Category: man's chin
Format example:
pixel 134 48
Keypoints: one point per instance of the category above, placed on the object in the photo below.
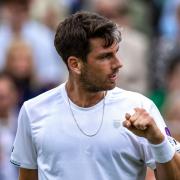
pixel 110 87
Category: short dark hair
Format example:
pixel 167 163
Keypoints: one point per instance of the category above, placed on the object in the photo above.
pixel 73 34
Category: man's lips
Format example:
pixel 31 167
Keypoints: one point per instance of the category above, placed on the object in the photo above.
pixel 113 76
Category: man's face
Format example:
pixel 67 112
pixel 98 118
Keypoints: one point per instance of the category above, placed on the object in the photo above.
pixel 21 60
pixel 100 72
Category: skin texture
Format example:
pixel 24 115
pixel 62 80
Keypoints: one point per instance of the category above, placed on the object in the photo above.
pixel 86 86
pixel 28 174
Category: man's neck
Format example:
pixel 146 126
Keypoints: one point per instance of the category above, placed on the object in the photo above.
pixel 82 97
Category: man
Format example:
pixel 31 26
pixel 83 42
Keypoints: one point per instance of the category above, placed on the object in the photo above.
pixel 83 129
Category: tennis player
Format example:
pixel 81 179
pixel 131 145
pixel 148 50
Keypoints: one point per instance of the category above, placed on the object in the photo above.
pixel 87 128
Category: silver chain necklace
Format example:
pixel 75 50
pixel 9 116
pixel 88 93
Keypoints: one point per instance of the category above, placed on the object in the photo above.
pixel 80 129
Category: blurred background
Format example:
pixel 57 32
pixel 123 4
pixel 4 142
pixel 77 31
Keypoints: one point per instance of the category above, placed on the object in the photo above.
pixel 29 64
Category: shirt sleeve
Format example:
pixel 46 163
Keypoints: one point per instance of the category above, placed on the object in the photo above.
pixel 154 112
pixel 24 152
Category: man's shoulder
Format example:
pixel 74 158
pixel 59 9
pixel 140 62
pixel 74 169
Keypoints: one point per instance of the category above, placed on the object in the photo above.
pixel 45 99
pixel 126 95
pixel 118 92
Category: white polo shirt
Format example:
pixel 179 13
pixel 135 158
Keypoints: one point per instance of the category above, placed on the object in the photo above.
pixel 49 140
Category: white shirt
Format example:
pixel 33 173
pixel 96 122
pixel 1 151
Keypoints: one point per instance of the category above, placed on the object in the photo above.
pixel 49 140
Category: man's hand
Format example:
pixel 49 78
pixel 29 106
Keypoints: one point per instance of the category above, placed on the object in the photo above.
pixel 142 124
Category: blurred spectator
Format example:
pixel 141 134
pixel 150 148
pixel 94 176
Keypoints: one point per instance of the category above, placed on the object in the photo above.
pixel 19 66
pixel 49 12
pixel 51 17
pixel 18 23
pixel 133 48
pixel 59 9
pixel 171 113
pixel 8 116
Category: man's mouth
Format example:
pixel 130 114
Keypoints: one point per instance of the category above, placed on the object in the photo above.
pixel 113 76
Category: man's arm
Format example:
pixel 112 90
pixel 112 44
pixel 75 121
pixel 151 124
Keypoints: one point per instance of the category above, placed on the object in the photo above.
pixel 28 174
pixel 169 170
pixel 143 125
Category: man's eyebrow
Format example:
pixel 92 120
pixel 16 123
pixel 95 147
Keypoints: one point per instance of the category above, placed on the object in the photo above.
pixel 103 54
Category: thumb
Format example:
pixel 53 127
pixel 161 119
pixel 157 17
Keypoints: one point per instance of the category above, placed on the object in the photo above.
pixel 127 123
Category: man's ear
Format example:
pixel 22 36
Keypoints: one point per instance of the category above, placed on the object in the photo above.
pixel 74 64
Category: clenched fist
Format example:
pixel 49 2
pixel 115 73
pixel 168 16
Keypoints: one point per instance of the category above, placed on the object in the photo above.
pixel 142 124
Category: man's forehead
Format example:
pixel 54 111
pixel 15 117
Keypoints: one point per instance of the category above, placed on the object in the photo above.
pixel 99 44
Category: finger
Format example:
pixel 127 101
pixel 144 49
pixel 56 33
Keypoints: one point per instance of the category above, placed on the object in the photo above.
pixel 142 122
pixel 138 113
pixel 134 117
pixel 140 126
pixel 127 116
pixel 127 124
pixel 137 109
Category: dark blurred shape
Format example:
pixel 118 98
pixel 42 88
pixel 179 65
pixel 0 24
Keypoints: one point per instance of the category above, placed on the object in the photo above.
pixel 76 5
pixel 156 8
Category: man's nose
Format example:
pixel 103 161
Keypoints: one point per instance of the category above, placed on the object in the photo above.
pixel 117 63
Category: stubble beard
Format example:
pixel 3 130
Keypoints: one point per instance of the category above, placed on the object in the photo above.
pixel 92 84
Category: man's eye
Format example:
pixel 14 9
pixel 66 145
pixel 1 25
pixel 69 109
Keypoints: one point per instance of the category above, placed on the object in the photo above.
pixel 107 56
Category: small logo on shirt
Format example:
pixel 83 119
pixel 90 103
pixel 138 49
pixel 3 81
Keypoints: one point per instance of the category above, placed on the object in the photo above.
pixel 116 123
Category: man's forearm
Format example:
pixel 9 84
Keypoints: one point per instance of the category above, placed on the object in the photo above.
pixel 169 170
pixel 27 174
